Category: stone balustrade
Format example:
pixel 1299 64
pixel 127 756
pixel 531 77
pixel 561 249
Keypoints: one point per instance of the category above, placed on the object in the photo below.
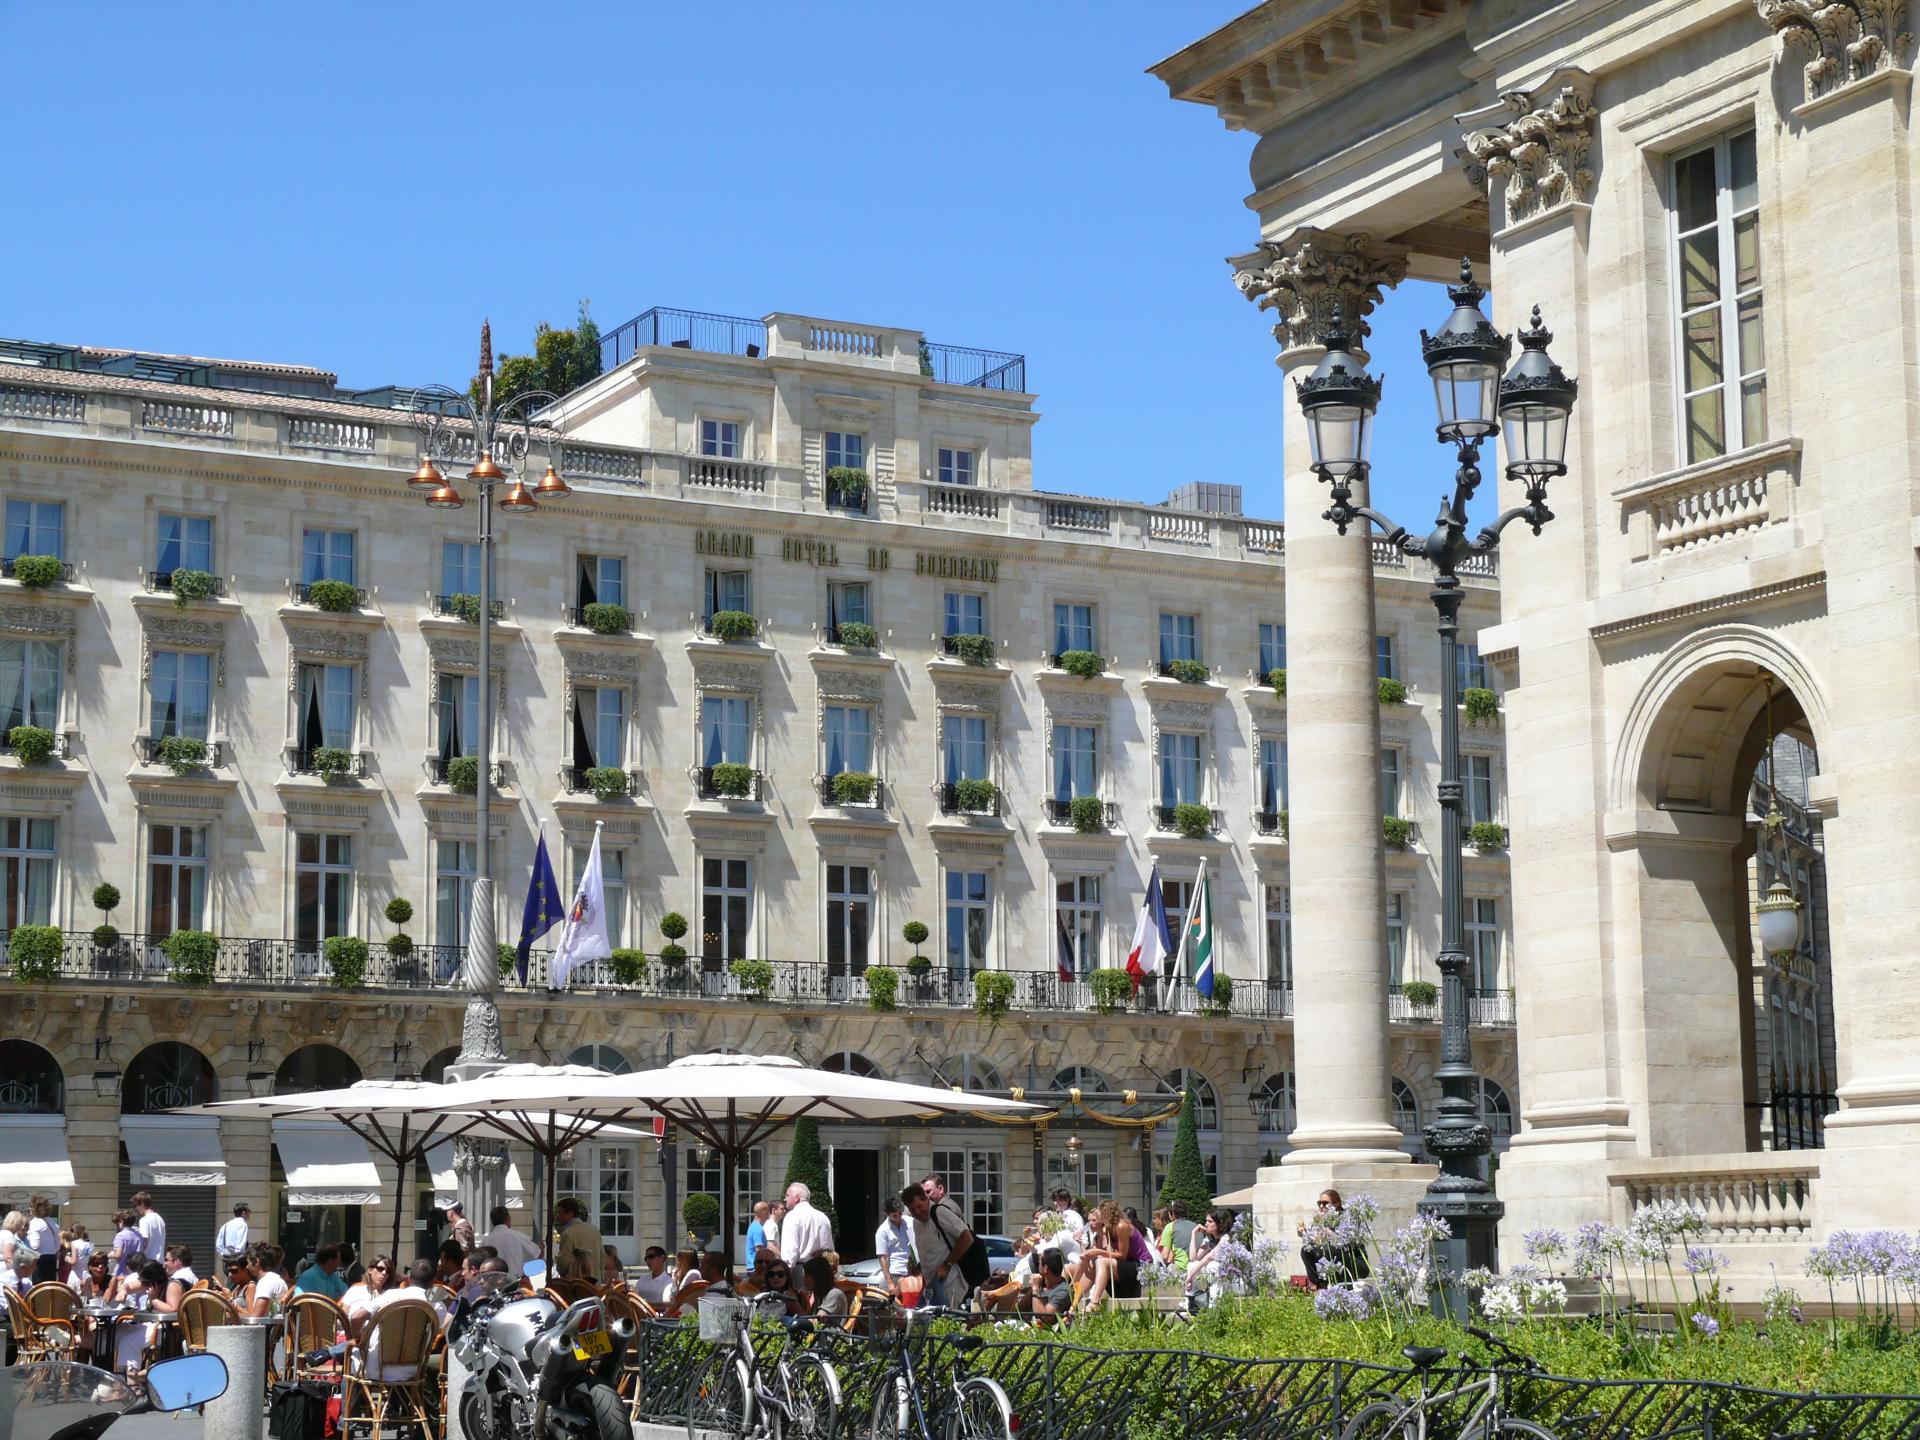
pixel 1710 503
pixel 176 418
pixel 308 432
pixel 1748 1199
pixel 21 402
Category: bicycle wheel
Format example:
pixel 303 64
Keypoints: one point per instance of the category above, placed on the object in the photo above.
pixel 893 1409
pixel 720 1398
pixel 1383 1421
pixel 983 1412
pixel 1529 1429
pixel 813 1397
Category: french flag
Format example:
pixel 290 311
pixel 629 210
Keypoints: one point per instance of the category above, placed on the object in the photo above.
pixel 1152 939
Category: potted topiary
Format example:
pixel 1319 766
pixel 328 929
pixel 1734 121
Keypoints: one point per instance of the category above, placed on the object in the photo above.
pixel 992 995
pixel 1487 835
pixel 1084 663
pixel 855 635
pixel 1112 989
pixel 854 787
pixel 36 572
pixel 188 585
pixel 346 957
pixel 1481 704
pixel 183 754
pixel 974 649
pixel 732 781
pixel 1193 821
pixel 627 966
pixel 1392 692
pixel 607 782
pixel 330 762
pixel 1396 832
pixel 191 956
pixel 604 618
pixel 702 1214
pixel 883 987
pixel 732 625
pixel 976 797
pixel 1221 1001
pixel 914 932
pixel 847 486
pixel 106 899
pixel 1087 814
pixel 34 953
pixel 672 954
pixel 399 912
pixel 1278 680
pixel 1420 994
pixel 1189 672
pixel 463 774
pixel 465 607
pixel 31 744
pixel 336 596
pixel 753 976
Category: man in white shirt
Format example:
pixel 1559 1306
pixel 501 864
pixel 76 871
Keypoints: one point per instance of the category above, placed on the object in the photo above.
pixel 893 1243
pixel 656 1286
pixel 774 1217
pixel 232 1239
pixel 153 1230
pixel 508 1243
pixel 805 1232
pixel 43 1238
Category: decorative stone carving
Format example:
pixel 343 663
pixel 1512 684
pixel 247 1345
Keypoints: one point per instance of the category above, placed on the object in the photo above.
pixel 1846 40
pixel 1183 714
pixel 850 685
pixel 37 620
pixel 448 650
pixel 1079 707
pixel 1310 272
pixel 1536 143
pixel 974 696
pixel 170 632
pixel 742 678
pixel 349 645
pixel 603 667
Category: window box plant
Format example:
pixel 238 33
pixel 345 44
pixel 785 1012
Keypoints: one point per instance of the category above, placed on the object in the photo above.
pixel 627 966
pixel 1487 835
pixel 732 781
pixel 34 951
pixel 992 995
pixel 856 635
pixel 1082 663
pixel 753 976
pixel 336 596
pixel 732 625
pixel 332 761
pixel 883 987
pixel 974 649
pixel 1396 831
pixel 189 585
pixel 1088 814
pixel 36 572
pixel 465 607
pixel 190 956
pixel 847 485
pixel 31 744
pixel 1421 994
pixel 183 754
pixel 974 796
pixel 1277 678
pixel 1189 672
pixel 399 912
pixel 853 787
pixel 1193 821
pixel 346 957
pixel 607 782
pixel 463 774
pixel 607 619
pixel 1221 1001
pixel 1481 704
pixel 1112 989
pixel 1392 692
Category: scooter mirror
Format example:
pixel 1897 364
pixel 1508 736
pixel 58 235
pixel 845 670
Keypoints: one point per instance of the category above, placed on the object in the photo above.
pixel 536 1273
pixel 187 1381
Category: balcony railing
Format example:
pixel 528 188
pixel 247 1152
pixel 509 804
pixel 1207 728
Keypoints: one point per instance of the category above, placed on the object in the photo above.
pixel 1270 822
pixel 306 432
pixel 705 788
pixel 1167 818
pixel 1486 1009
pixel 304 593
pixel 66 570
pixel 683 330
pixel 17 402
pixel 300 761
pixel 948 647
pixel 877 801
pixel 713 472
pixel 1060 812
pixel 444 605
pixel 988 369
pixel 836 635
pixel 973 501
pixel 595 462
pixel 574 777
pixel 437 771
pixel 577 617
pixel 148 747
pixel 162 580
pixel 1164 668
pixel 174 418
pixel 950 803
pixel 852 498
pixel 62 748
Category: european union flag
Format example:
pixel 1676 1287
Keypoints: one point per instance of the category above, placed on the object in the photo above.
pixel 545 906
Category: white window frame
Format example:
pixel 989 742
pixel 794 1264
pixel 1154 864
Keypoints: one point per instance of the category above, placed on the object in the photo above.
pixel 34 527
pixel 1087 922
pixel 1181 631
pixel 957 465
pixel 965 906
pixel 1386 657
pixel 711 583
pixel 20 861
pixel 1072 623
pixel 329 877
pixel 183 868
pixel 977 1184
pixel 1074 728
pixel 466 869
pixel 1278 771
pixel 956 742
pixel 1485 947
pixel 727 890
pixel 327 555
pixel 153 720
pixel 1276 901
pixel 1399 964
pixel 954 603
pixel 1270 648
pixel 1476 788
pixel 1734 378
pixel 598 561
pixel 853 737
pixel 40 657
pixel 333 677
pixel 852 443
pixel 720 438
pixel 850 900
pixel 1392 792
pixel 469 565
pixel 598 726
pixel 186 542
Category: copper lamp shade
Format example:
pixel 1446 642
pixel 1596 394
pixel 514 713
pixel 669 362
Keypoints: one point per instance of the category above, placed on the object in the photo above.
pixel 551 486
pixel 427 478
pixel 486 470
pixel 445 498
pixel 519 499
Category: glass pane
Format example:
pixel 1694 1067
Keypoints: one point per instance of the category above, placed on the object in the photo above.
pixel 1744 165
pixel 1746 252
pixel 1753 410
pixel 1694 190
pixel 1699 269
pixel 1706 432
pixel 1753 340
pixel 1702 365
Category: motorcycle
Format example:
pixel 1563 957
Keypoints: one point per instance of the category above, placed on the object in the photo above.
pixel 60 1400
pixel 538 1370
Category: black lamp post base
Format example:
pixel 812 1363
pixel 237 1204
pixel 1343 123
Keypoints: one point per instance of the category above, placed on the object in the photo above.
pixel 1474 1220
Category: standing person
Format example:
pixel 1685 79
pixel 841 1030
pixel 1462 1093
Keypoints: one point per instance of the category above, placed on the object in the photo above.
pixel 508 1243
pixel 776 1216
pixel 126 1245
pixel 459 1227
pixel 757 1233
pixel 231 1242
pixel 806 1232
pixel 153 1229
pixel 43 1238
pixel 80 1245
pixel 941 1238
pixel 577 1251
pixel 893 1243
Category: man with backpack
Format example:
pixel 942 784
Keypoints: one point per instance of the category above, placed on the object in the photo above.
pixel 952 1260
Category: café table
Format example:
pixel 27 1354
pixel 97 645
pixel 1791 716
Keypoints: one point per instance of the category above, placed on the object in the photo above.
pixel 108 1318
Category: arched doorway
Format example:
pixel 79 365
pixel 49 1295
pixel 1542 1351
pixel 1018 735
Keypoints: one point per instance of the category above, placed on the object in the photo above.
pixel 34 1159
pixel 177 1159
pixel 315 1067
pixel 322 1173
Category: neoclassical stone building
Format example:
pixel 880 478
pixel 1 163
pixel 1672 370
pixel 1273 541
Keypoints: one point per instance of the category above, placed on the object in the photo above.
pixel 1711 202
pixel 908 627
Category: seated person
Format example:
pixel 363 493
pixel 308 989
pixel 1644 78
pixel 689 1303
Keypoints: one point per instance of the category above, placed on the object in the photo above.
pixel 420 1278
pixel 656 1286
pixel 827 1302
pixel 1051 1293
pixel 357 1304
pixel 780 1287
pixel 143 1290
pixel 180 1277
pixel 267 1287
pixel 612 1272
pixel 913 1286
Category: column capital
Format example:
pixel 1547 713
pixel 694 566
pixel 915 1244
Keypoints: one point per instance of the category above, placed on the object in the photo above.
pixel 1305 275
pixel 1537 143
pixel 1843 42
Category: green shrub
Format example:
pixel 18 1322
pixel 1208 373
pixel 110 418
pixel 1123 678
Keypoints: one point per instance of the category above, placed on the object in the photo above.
pixel 1392 692
pixel 1084 663
pixel 506 957
pixel 1186 1171
pixel 183 754
pixel 190 956
pixel 607 782
pixel 1112 989
pixel 674 957
pixel 1421 994
pixel 35 953
pixel 734 782
pixel 31 744
pixel 192 585
pixel 465 606
pixel 1396 831
pixel 976 796
pixel 330 761
pixel 974 649
pixel 992 995
pixel 919 966
pixel 856 635
pixel 1088 814
pixel 37 571
pixel 1189 672
pixel 399 912
pixel 915 933
pixel 106 897
pixel 334 595
pixel 346 957
pixel 400 944
pixel 702 1213
pixel 1221 1001
pixel 106 937
pixel 1487 835
pixel 1278 680
pixel 463 774
pixel 732 625
pixel 1282 818
pixel 673 925
pixel 604 618
pixel 627 966
pixel 847 484
pixel 1193 821
pixel 883 987
pixel 1482 705
pixel 754 975
pixel 853 787
pixel 807 1164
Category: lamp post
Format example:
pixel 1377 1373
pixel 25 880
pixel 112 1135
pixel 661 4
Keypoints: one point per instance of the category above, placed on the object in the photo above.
pixel 500 437
pixel 1530 407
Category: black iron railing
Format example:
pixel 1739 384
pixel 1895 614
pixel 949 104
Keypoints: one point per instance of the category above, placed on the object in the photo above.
pixel 1165 668
pixel 66 570
pixel 575 779
pixel 1060 812
pixel 987 369
pixel 452 606
pixel 439 765
pixel 1270 822
pixel 1167 818
pixel 305 593
pixel 163 580
pixel 1796 1119
pixel 683 330
pixel 966 642
pixel 703 783
pixel 149 748
pixel 300 761
pixel 950 802
pixel 876 798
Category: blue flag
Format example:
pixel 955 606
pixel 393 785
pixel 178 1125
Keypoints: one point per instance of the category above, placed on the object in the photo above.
pixel 545 907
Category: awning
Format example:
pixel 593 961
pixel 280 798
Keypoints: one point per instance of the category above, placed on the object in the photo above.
pixel 1234 1199
pixel 173 1149
pixel 325 1164
pixel 446 1188
pixel 33 1157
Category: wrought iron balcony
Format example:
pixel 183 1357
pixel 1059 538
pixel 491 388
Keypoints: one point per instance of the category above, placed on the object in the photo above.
pixel 707 790
pixel 950 802
pixel 304 594
pixel 437 766
pixel 1270 822
pixel 956 644
pixel 1060 812
pixel 450 606
pixel 876 801
pixel 1486 1009
pixel 988 369
pixel 574 777
pixel 62 746
pixel 162 580
pixel 1167 818
pixel 300 761
pixel 149 750
pixel 66 570
pixel 1165 668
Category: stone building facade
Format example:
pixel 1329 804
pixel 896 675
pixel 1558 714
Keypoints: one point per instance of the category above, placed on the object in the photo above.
pixel 1710 202
pixel 710 468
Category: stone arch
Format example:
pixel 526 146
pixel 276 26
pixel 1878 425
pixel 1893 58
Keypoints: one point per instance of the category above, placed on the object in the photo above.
pixel 315 1067
pixel 166 1076
pixel 31 1080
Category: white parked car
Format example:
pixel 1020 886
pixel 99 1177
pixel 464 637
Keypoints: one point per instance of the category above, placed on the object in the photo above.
pixel 1000 1256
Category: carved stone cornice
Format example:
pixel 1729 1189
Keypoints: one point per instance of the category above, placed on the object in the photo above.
pixel 1310 272
pixel 1536 144
pixel 610 667
pixel 1846 40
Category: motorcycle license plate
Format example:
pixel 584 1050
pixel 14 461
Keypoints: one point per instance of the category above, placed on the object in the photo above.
pixel 591 1344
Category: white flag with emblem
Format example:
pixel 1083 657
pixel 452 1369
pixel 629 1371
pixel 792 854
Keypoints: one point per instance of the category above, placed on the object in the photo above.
pixel 583 934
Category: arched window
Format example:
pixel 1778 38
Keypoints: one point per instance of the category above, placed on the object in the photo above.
pixel 1406 1110
pixel 1206 1104
pixel 1496 1109
pixel 1080 1077
pixel 969 1072
pixel 435 1069
pixel 165 1077
pixel 1273 1103
pixel 601 1057
pixel 315 1067
pixel 851 1062
pixel 30 1080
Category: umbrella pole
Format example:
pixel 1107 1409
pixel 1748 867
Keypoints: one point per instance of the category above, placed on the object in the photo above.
pixel 399 1188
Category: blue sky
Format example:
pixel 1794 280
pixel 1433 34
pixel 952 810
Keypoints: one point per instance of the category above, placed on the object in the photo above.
pixel 356 185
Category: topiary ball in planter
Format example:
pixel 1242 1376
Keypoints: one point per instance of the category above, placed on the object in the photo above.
pixel 463 774
pixel 332 761
pixel 31 744
pixel 336 596
pixel 400 944
pixel 1421 994
pixel 34 953
pixel 974 649
pixel 856 635
pixel 105 896
pixel 183 754
pixel 106 937
pixel 731 625
pixel 1193 821
pixel 854 787
pixel 36 572
pixel 702 1214
pixel 399 911
pixel 627 966
pixel 1278 680
pixel 346 957
pixel 673 925
pixel 674 957
pixel 732 782
pixel 192 585
pixel 1189 672
pixel 1392 692
pixel 1084 663
pixel 607 619
pixel 1087 814
pixel 974 796
pixel 465 607
pixel 883 987
pixel 919 966
pixel 915 933
pixel 607 782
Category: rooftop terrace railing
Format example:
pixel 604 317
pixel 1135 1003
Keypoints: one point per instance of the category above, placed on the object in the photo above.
pixel 683 330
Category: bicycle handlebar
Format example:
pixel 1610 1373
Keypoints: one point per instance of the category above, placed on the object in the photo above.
pixel 1502 1350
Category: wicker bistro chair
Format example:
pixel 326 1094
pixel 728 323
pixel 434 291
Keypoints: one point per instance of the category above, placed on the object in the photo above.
pixel 405 1332
pixel 50 1301
pixel 201 1311
pixel 314 1322
pixel 34 1339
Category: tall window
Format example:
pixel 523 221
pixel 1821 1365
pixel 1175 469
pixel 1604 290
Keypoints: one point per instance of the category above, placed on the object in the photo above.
pixel 974 1183
pixel 1073 628
pixel 599 726
pixel 1279 908
pixel 1483 942
pixel 847 605
pixel 1179 637
pixel 1273 649
pixel 613 880
pixel 966 614
pixel 1396 939
pixel 726 730
pixel 1179 769
pixel 459 716
pixel 185 543
pixel 728 590
pixel 1273 776
pixel 965 738
pixel 1206 1101
pixel 1723 361
pixel 726 905
pixel 720 438
pixel 327 696
pixel 1478 774
pixel 180 694
pixel 1389 780
pixel 1076 761
pixel 36 527
pixel 1384 665
pixel 459 567
pixel 845 448
pixel 1496 1109
pixel 26 852
pixel 322 889
pixel 176 879
pixel 29 684
pixel 1274 1104
pixel 326 555
pixel 1077 917
pixel 849 739
pixel 1406 1111
pixel 456 867
pixel 1177 897
pixel 601 580
pixel 603 1177
pixel 969 916
pixel 956 467
pixel 1469 668
pixel 849 918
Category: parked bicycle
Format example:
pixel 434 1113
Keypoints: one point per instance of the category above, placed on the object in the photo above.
pixel 977 1408
pixel 1481 1388
pixel 733 1394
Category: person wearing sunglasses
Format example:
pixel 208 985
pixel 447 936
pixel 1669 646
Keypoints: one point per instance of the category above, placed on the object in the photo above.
pixel 358 1302
pixel 780 1282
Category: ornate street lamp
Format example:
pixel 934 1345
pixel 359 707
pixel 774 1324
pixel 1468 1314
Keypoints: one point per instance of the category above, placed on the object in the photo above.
pixel 1530 407
pixel 456 426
